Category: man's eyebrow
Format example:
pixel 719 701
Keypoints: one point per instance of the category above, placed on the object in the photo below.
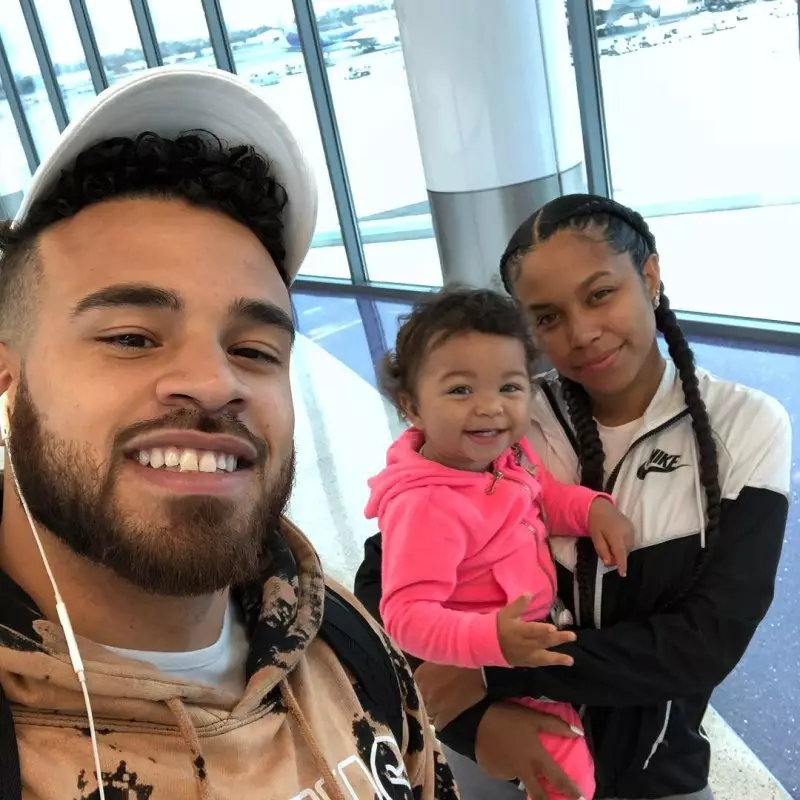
pixel 263 313
pixel 139 295
pixel 142 295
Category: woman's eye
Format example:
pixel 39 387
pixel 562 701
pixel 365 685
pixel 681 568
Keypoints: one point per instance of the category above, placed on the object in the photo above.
pixel 545 320
pixel 129 341
pixel 601 294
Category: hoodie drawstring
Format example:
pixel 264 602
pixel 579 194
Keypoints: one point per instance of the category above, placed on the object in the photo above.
pixel 334 790
pixel 192 740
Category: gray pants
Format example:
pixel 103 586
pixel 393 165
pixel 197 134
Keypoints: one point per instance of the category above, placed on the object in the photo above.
pixel 475 785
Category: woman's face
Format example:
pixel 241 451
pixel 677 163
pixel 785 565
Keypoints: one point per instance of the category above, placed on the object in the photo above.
pixel 591 311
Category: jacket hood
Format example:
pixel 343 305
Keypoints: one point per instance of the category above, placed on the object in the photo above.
pixel 282 612
pixel 407 469
pixel 302 723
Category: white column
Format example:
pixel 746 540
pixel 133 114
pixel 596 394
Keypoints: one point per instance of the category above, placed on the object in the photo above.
pixel 496 110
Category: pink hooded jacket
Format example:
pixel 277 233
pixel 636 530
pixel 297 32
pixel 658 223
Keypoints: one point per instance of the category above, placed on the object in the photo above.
pixel 459 545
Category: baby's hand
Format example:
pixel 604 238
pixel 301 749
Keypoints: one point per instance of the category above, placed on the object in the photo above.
pixel 527 644
pixel 612 534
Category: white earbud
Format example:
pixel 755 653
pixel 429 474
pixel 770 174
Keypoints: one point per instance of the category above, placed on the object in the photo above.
pixel 5 420
pixel 61 608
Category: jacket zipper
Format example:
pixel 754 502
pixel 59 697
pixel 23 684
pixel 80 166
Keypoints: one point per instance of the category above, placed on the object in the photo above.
pixel 612 478
pixel 497 476
pixel 609 489
pixel 555 408
pixel 597 610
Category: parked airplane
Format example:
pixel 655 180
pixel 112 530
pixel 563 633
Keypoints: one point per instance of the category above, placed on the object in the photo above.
pixel 607 12
pixel 366 35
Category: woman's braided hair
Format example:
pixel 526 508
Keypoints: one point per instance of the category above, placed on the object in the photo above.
pixel 625 231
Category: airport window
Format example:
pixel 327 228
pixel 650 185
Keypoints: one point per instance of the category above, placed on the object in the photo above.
pixel 182 32
pixel 66 53
pixel 366 73
pixel 14 172
pixel 700 133
pixel 27 76
pixel 266 51
pixel 117 38
pixel 701 117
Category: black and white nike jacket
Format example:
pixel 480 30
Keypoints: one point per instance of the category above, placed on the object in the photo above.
pixel 646 676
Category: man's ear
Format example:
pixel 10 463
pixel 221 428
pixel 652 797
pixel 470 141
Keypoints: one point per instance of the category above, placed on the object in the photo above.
pixel 9 371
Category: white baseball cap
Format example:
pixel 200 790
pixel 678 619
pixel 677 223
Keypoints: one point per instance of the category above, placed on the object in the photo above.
pixel 171 100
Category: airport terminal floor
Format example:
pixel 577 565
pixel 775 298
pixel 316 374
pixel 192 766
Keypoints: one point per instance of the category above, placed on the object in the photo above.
pixel 344 427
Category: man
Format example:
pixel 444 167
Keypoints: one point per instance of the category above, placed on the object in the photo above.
pixel 145 341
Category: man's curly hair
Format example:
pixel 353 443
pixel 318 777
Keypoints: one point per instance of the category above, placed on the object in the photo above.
pixel 196 167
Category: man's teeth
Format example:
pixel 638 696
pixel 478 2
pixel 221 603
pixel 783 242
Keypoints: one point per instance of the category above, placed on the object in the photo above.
pixel 187 460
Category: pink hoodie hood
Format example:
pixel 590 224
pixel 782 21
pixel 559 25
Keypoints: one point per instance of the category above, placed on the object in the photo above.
pixel 407 469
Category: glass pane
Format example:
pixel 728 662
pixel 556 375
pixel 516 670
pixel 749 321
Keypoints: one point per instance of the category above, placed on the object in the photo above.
pixel 117 38
pixel 66 53
pixel 370 91
pixel 266 51
pixel 182 32
pixel 700 117
pixel 14 172
pixel 27 76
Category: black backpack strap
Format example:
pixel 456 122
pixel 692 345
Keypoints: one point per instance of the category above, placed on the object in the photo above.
pixel 362 651
pixel 10 778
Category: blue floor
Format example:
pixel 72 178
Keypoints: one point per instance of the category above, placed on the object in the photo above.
pixel 761 699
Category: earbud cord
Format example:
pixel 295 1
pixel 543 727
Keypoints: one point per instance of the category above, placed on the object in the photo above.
pixel 63 618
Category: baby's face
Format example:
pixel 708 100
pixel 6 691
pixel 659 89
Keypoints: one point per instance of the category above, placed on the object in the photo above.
pixel 473 399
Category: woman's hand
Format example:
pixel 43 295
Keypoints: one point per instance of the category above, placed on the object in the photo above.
pixel 448 691
pixel 508 748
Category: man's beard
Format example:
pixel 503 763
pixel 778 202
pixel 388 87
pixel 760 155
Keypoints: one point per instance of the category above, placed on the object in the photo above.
pixel 200 545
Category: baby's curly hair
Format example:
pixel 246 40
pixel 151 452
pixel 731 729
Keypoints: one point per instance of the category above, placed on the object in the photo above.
pixel 439 317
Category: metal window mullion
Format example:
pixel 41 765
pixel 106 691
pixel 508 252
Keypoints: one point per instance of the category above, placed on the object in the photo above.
pixel 219 35
pixel 147 33
pixel 36 33
pixel 331 140
pixel 590 95
pixel 91 51
pixel 17 110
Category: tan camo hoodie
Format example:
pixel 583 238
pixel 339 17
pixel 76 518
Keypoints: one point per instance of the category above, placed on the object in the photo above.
pixel 298 732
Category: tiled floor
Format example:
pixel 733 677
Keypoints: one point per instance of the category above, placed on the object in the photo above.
pixel 344 427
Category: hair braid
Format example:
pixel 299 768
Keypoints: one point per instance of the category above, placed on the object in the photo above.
pixel 625 231
pixel 592 462
pixel 683 358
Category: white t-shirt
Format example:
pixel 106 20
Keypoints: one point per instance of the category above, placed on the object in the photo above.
pixel 616 442
pixel 222 665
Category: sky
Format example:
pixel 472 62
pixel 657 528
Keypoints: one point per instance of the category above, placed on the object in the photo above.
pixel 115 29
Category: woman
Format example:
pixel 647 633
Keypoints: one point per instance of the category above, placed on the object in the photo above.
pixel 699 465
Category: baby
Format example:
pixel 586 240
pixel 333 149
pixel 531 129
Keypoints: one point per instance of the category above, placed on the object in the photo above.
pixel 465 506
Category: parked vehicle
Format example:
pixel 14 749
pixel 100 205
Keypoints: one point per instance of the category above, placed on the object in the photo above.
pixel 270 78
pixel 354 73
